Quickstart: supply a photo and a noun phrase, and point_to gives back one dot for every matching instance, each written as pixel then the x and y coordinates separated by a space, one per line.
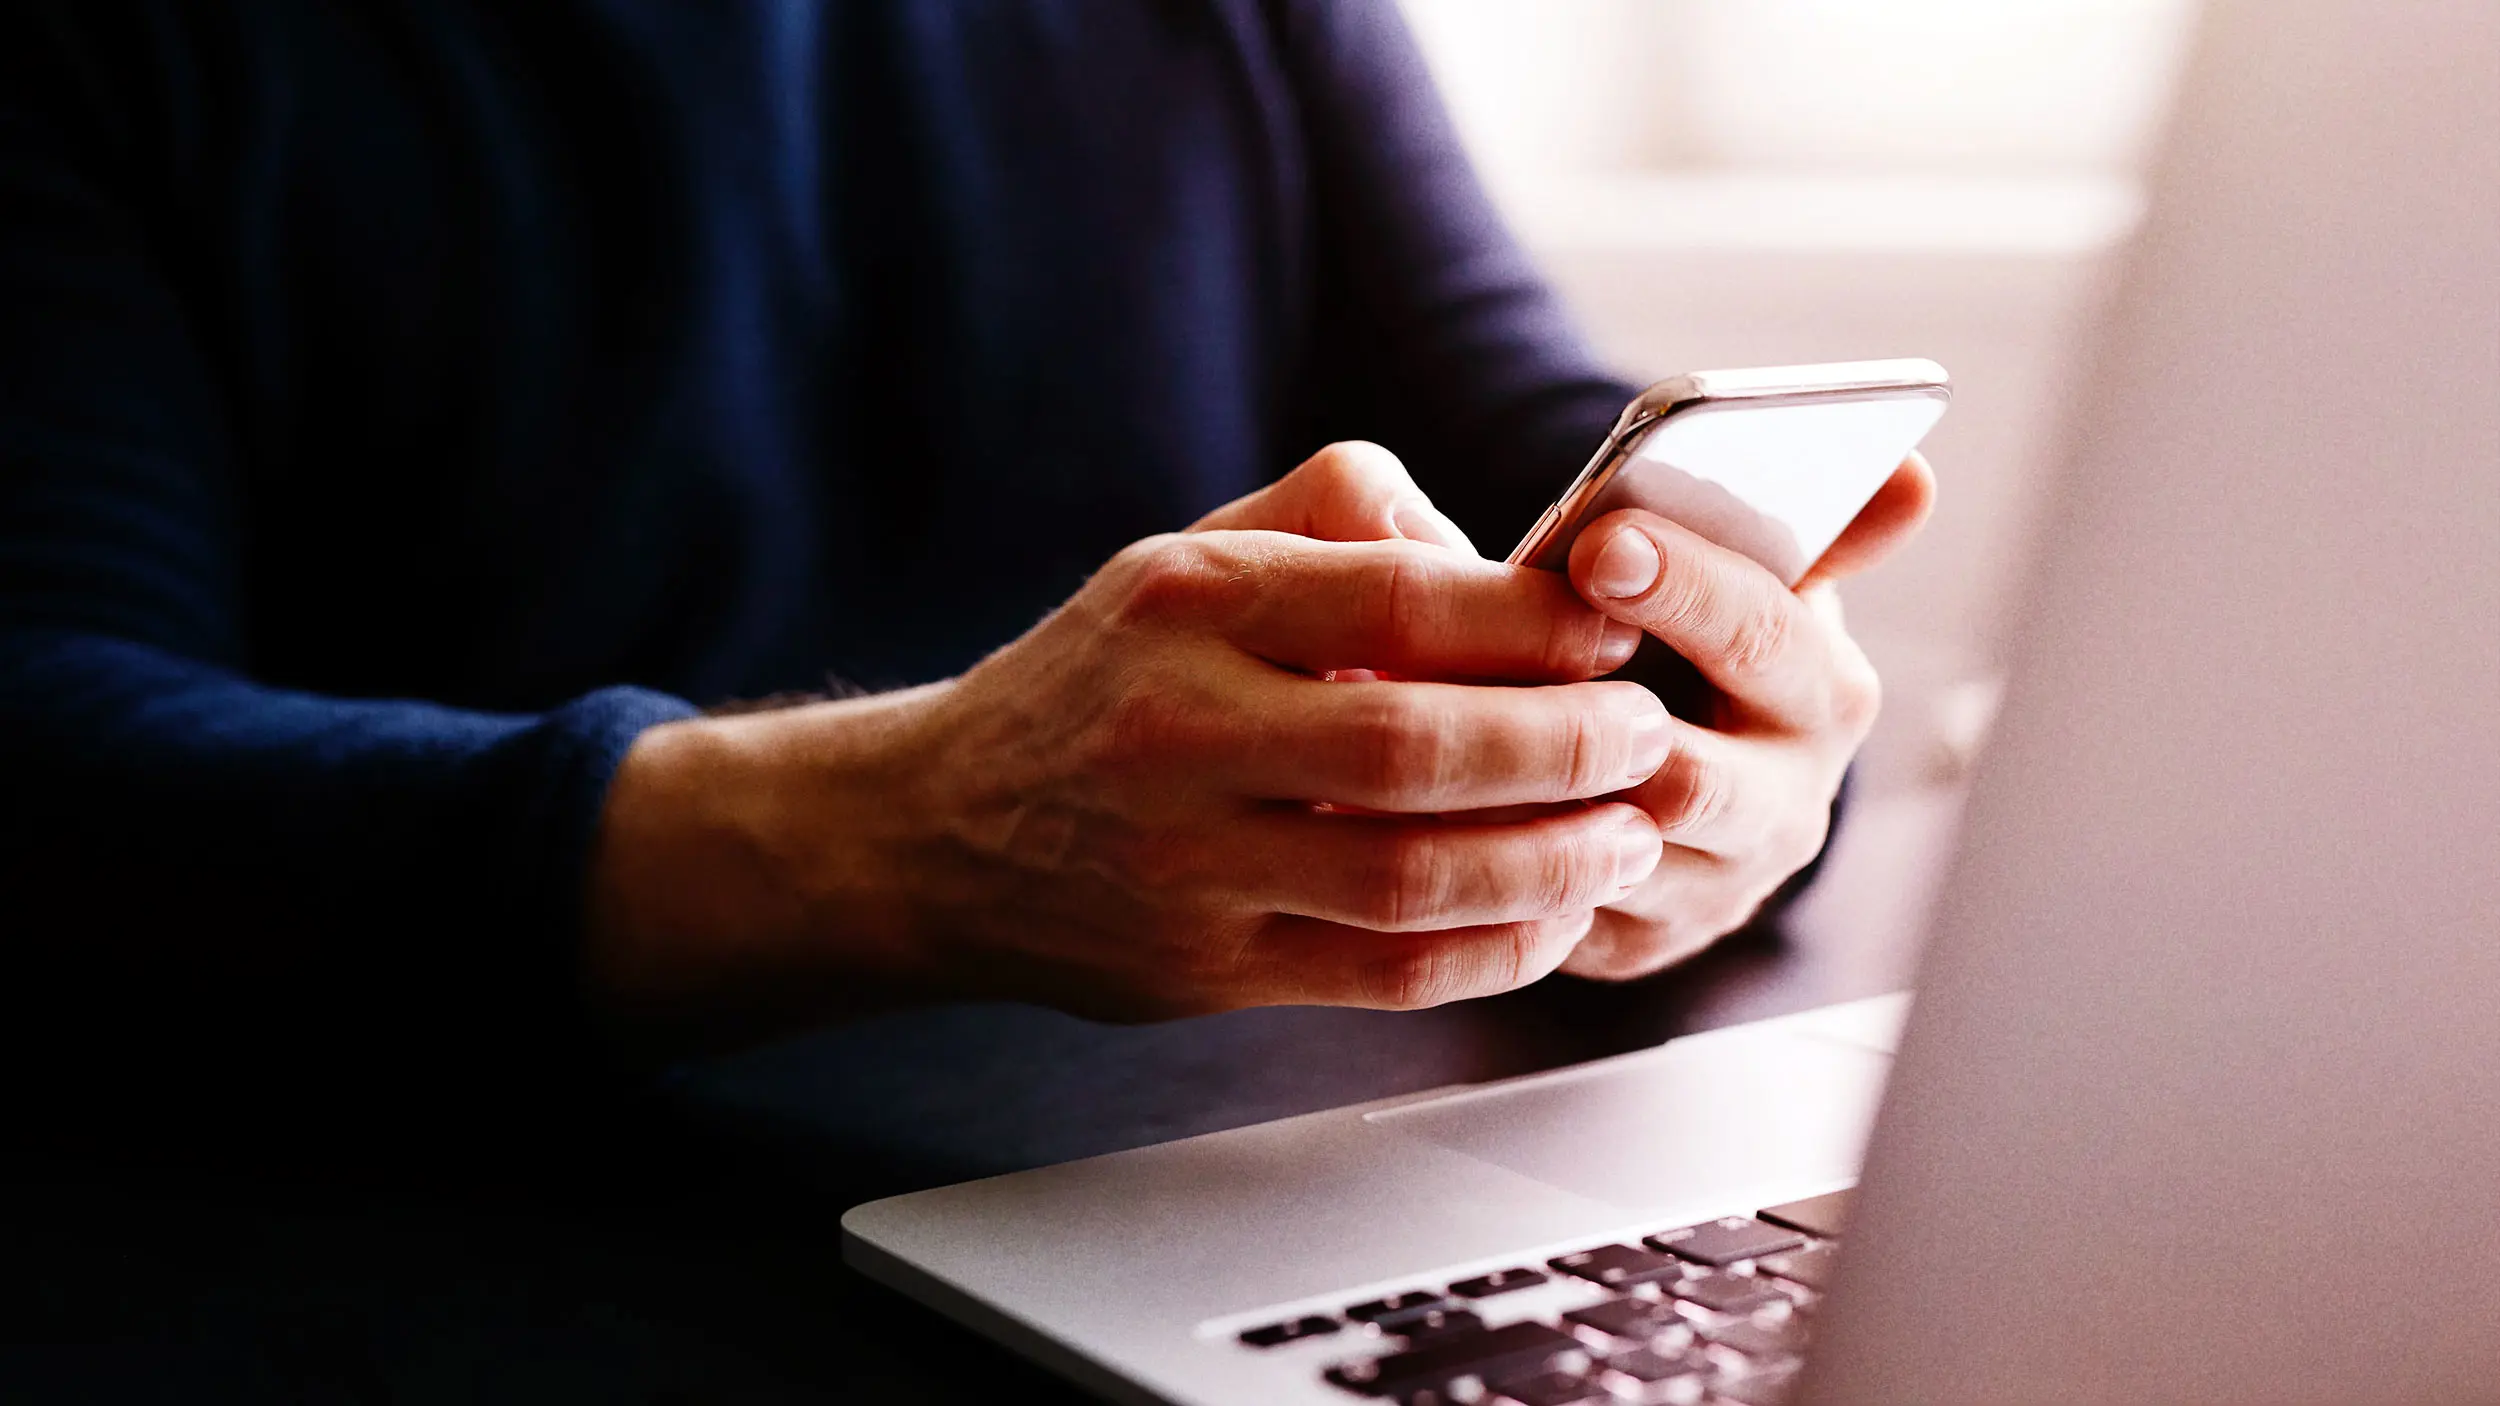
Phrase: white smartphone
pixel 1772 462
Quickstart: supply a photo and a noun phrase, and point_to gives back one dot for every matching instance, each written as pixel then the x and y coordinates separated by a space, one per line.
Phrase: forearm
pixel 755 874
pixel 194 856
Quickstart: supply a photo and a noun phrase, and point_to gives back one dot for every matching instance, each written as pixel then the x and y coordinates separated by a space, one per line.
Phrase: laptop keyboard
pixel 1712 1313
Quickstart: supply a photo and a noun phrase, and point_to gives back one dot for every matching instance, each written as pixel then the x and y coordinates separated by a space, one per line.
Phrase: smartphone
pixel 1772 462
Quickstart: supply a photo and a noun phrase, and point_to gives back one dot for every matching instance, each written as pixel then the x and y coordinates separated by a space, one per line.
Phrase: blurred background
pixel 1756 182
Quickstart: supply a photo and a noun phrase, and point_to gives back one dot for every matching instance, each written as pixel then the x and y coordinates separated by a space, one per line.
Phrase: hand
pixel 1142 808
pixel 1744 798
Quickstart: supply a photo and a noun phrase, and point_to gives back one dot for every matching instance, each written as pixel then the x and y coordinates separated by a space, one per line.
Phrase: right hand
pixel 1151 805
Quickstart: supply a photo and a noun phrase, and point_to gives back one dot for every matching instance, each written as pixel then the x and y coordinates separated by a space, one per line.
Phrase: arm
pixel 1151 805
pixel 1115 814
pixel 1112 814
pixel 191 860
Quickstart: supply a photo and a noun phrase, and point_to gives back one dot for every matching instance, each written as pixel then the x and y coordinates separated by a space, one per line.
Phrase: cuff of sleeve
pixel 562 766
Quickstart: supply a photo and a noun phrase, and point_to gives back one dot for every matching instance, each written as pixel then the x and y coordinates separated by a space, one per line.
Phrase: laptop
pixel 2200 1096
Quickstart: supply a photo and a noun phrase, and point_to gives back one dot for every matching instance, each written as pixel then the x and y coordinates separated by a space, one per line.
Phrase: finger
pixel 1388 606
pixel 1748 635
pixel 1889 519
pixel 1352 491
pixel 1425 748
pixel 1400 875
pixel 1625 946
pixel 1713 792
pixel 1319 963
pixel 1717 797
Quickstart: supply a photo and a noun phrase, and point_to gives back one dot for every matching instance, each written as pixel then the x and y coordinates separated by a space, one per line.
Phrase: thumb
pixel 1889 519
pixel 1348 492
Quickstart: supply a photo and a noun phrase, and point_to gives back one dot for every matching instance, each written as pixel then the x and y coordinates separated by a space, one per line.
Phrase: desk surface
pixel 717 1279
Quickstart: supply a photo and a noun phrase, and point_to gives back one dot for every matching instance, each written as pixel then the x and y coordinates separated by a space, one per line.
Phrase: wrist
pixel 753 874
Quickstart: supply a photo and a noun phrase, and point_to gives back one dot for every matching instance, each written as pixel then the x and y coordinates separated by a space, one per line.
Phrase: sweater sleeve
pixel 194 862
pixel 1432 332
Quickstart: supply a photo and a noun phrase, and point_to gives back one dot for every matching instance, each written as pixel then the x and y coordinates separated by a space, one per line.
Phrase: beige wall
pixel 1706 188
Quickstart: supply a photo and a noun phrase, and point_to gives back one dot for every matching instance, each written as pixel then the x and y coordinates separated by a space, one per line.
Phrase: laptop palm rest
pixel 1709 1118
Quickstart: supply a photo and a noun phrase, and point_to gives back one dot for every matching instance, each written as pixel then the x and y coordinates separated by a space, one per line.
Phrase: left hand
pixel 1744 799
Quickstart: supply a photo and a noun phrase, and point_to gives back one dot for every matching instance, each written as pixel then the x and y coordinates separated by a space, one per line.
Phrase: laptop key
pixel 1811 1267
pixel 1619 1266
pixel 1550 1389
pixel 1820 1216
pixel 1378 1309
pixel 1500 1281
pixel 1458 1391
pixel 1726 1240
pixel 1291 1330
pixel 1728 1293
pixel 1650 1368
pixel 1768 1388
pixel 1518 1349
pixel 1646 1378
pixel 1417 1325
pixel 1633 1320
pixel 1776 1340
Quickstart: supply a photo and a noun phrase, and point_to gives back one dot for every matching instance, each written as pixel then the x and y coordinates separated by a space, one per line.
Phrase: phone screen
pixel 1777 480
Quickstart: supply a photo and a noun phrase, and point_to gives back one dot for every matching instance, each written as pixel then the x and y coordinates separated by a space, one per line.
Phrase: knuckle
pixel 1174 577
pixel 1414 883
pixel 1687 794
pixel 1682 599
pixel 1413 979
pixel 1551 941
pixel 1572 644
pixel 1361 465
pixel 1399 597
pixel 1620 961
pixel 1452 967
pixel 1562 654
pixel 1759 635
pixel 1571 875
pixel 1407 748
pixel 1515 954
pixel 1591 765
pixel 1345 459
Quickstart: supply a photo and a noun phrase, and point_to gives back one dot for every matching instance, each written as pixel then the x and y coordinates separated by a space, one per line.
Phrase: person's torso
pixel 712 346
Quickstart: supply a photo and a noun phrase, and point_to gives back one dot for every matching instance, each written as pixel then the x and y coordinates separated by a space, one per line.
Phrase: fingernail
pixel 1650 745
pixel 1617 645
pixel 1625 566
pixel 1637 851
pixel 1419 521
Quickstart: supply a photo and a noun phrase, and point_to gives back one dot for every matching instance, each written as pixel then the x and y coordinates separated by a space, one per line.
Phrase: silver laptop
pixel 2201 1098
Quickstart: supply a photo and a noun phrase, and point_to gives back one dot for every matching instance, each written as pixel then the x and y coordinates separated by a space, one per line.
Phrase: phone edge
pixel 1662 399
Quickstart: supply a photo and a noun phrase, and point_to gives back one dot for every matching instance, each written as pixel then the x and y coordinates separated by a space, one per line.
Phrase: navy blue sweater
pixel 403 404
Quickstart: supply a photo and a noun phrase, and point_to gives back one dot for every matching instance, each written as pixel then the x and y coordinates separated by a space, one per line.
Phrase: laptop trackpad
pixel 1723 1115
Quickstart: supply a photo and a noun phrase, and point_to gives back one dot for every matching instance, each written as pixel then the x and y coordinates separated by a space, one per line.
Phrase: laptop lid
pixel 2201 1097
